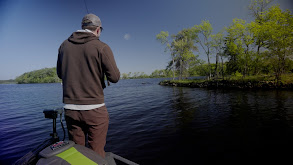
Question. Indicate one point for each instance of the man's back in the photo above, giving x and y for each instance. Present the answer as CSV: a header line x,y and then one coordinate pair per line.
x,y
83,62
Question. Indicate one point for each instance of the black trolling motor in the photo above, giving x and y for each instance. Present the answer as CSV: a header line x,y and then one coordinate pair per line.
x,y
33,156
53,152
53,114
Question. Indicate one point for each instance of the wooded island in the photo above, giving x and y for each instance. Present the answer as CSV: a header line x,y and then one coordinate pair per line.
x,y
262,48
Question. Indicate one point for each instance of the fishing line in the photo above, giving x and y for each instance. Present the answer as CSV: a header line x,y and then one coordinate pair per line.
x,y
86,6
88,13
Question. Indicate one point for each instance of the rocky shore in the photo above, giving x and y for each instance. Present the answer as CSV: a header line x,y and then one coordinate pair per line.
x,y
230,84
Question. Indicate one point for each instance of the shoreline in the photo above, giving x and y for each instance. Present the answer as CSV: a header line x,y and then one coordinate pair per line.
x,y
228,84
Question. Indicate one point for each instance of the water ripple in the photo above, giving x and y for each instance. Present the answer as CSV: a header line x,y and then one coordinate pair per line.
x,y
153,124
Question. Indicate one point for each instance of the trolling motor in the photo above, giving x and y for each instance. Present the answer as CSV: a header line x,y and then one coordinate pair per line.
x,y
53,114
55,152
33,156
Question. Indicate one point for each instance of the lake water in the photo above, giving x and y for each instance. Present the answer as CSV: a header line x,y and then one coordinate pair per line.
x,y
153,124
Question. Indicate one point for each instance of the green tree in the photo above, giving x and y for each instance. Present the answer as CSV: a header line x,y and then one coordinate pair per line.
x,y
163,37
124,76
198,68
279,34
239,44
155,74
161,73
46,75
183,47
258,9
218,45
248,41
202,34
232,47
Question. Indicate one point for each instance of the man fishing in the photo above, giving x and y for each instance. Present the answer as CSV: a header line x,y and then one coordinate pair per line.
x,y
83,62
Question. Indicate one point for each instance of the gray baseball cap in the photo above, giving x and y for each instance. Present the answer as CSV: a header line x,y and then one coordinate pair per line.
x,y
91,20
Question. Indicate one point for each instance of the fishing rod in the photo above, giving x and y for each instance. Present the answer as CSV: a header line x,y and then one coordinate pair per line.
x,y
86,6
108,83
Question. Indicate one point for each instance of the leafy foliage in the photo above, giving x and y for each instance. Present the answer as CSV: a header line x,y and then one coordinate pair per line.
x,y
46,75
182,51
260,47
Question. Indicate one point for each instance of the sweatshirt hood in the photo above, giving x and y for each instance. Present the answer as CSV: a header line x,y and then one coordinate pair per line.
x,y
81,37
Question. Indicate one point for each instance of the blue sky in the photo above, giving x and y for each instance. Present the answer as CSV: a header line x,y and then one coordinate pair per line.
x,y
31,31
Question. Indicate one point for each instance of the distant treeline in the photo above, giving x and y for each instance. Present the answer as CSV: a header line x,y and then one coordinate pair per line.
x,y
49,75
11,81
46,75
200,70
155,74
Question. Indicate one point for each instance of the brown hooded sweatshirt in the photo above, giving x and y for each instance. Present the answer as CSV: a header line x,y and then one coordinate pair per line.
x,y
83,61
